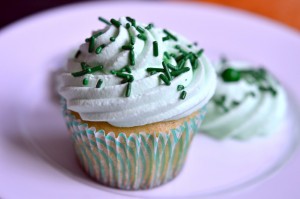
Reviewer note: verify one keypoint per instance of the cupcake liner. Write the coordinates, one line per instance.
(138, 161)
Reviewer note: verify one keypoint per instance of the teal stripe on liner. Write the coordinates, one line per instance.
(157, 158)
(93, 143)
(110, 138)
(116, 155)
(121, 159)
(90, 132)
(142, 174)
(149, 152)
(169, 160)
(108, 159)
(181, 155)
(102, 172)
(90, 169)
(126, 162)
(164, 158)
(187, 135)
(173, 131)
(142, 158)
(194, 125)
(97, 161)
(131, 151)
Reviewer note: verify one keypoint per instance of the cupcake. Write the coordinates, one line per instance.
(134, 96)
(248, 102)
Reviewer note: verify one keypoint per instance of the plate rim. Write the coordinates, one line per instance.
(35, 16)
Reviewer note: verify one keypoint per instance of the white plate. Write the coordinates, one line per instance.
(35, 47)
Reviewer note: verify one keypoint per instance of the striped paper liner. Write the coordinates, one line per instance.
(140, 161)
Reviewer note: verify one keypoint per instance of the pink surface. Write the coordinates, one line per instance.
(32, 46)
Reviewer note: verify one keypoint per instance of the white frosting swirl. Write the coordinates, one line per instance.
(257, 114)
(150, 100)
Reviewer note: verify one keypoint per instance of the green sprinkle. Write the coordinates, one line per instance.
(87, 39)
(191, 56)
(95, 69)
(142, 37)
(170, 35)
(165, 79)
(112, 39)
(85, 81)
(128, 89)
(128, 77)
(195, 43)
(91, 44)
(121, 75)
(180, 71)
(181, 50)
(126, 69)
(127, 47)
(80, 73)
(100, 48)
(104, 20)
(97, 34)
(183, 95)
(235, 103)
(122, 70)
(166, 38)
(189, 46)
(99, 83)
(167, 72)
(87, 71)
(115, 23)
(252, 94)
(113, 72)
(84, 66)
(266, 89)
(231, 75)
(179, 58)
(129, 19)
(140, 29)
(131, 58)
(77, 54)
(200, 52)
(152, 73)
(133, 22)
(155, 70)
(132, 39)
(166, 54)
(177, 47)
(173, 55)
(195, 65)
(220, 102)
(181, 63)
(127, 25)
(150, 25)
(180, 87)
(170, 66)
(155, 49)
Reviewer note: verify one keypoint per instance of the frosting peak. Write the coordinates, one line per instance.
(128, 74)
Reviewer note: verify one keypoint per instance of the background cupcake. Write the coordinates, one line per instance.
(133, 97)
(248, 102)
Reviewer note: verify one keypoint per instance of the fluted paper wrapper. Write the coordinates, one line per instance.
(138, 161)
